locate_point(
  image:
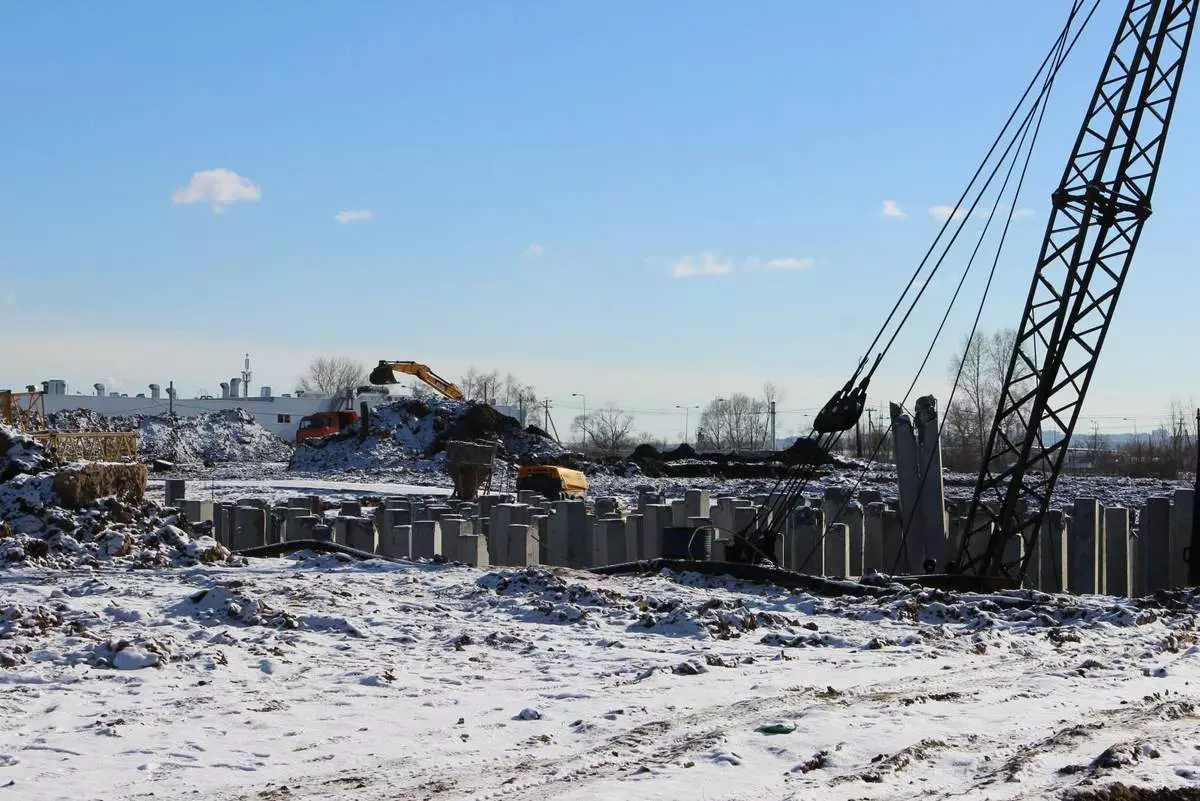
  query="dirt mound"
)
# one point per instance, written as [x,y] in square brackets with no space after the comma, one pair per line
[477,422]
[683,451]
[227,435]
[412,429]
[805,451]
[79,485]
[1123,792]
[684,462]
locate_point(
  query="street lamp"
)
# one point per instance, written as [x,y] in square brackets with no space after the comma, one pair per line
[584,397]
[686,410]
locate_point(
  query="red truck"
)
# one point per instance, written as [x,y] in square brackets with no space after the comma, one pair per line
[322,424]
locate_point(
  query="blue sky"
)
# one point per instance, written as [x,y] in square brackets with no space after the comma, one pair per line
[536,175]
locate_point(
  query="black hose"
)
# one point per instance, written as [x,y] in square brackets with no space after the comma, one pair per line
[319,546]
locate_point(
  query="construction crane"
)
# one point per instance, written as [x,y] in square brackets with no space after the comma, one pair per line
[385,373]
[1098,213]
[1099,209]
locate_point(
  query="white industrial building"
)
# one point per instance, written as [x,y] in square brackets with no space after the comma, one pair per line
[280,414]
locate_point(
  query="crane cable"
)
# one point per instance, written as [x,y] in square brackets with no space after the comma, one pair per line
[902,550]
[1056,57]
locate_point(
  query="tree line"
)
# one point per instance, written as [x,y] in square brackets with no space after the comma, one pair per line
[981,365]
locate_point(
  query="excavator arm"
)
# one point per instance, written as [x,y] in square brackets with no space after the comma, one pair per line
[385,373]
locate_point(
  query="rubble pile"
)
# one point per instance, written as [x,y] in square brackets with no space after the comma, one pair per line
[228,435]
[37,527]
[415,429]
[685,462]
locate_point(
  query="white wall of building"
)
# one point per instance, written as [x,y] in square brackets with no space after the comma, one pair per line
[277,414]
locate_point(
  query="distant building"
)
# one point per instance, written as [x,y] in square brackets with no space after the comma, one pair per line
[280,414]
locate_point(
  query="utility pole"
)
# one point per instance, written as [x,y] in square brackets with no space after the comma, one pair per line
[171,417]
[686,410]
[550,420]
[773,445]
[1193,552]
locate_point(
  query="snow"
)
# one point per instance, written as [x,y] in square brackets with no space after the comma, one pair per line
[36,529]
[320,678]
[280,489]
[229,435]
[411,434]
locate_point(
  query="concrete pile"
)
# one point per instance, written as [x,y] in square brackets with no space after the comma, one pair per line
[228,435]
[407,432]
[54,515]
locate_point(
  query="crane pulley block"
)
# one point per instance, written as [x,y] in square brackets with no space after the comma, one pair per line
[843,410]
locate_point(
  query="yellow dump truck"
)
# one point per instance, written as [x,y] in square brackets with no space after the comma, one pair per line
[553,482]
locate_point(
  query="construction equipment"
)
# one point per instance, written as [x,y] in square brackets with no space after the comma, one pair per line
[24,411]
[1098,212]
[469,464]
[385,373]
[552,482]
[323,424]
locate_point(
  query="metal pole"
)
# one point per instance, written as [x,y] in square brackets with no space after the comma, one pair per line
[773,439]
[171,416]
[1193,552]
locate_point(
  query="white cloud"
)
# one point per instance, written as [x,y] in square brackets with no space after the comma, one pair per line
[354,215]
[943,213]
[892,209]
[220,187]
[790,264]
[712,264]
[704,264]
[534,251]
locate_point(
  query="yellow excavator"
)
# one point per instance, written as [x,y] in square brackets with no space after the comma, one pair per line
[385,373]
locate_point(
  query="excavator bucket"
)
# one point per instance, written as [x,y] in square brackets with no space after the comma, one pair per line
[382,374]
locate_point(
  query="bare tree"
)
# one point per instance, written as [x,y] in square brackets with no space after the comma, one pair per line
[737,422]
[981,366]
[489,388]
[607,430]
[772,392]
[333,375]
[658,441]
[469,383]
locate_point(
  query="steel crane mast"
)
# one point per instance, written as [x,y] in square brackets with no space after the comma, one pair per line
[1098,213]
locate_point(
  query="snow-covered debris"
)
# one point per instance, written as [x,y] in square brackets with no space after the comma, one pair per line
[37,529]
[19,454]
[413,429]
[228,435]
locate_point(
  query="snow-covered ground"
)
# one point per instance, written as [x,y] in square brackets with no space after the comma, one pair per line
[315,678]
[278,490]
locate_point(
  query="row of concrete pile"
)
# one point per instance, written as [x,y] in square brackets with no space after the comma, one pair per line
[1091,550]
